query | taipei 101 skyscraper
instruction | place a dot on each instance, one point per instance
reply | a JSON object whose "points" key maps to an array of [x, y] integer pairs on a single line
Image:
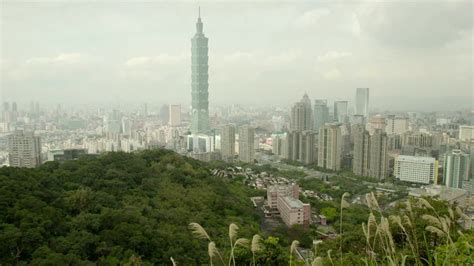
{"points": [[199, 80]]}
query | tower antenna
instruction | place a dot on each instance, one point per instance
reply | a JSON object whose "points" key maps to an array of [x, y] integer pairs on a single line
{"points": [[199, 12]]}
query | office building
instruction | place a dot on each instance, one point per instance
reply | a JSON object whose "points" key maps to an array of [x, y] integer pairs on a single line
{"points": [[456, 168], [340, 112], [301, 115], [200, 143], [362, 102], [24, 149], [228, 142], [321, 114], [422, 170], [396, 125], [66, 155], [199, 81], [175, 115], [330, 147], [246, 144]]}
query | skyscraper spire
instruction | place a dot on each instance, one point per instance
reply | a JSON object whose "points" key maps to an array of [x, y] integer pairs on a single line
{"points": [[199, 25]]}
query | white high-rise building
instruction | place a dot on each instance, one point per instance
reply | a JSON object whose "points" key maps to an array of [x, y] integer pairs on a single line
{"points": [[362, 102], [175, 115], [301, 115], [396, 125], [246, 144], [413, 169], [24, 149]]}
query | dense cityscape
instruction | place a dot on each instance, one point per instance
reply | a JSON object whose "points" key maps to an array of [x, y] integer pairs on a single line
{"points": [[288, 165]]}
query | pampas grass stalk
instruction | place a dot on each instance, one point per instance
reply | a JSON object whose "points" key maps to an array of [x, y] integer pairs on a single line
{"points": [[294, 245], [344, 204], [233, 231], [256, 246]]}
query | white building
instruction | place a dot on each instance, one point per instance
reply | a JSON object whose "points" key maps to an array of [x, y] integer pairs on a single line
{"points": [[466, 133], [200, 143], [396, 125], [416, 169]]}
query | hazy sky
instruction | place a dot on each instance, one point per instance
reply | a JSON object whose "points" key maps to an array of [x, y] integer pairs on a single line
{"points": [[411, 54]]}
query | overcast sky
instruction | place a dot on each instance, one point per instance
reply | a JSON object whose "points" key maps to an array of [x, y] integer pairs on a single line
{"points": [[411, 54]]}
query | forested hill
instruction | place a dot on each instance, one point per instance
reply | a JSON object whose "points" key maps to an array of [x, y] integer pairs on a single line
{"points": [[114, 207]]}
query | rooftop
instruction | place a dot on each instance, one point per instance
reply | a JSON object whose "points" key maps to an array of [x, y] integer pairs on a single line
{"points": [[407, 158], [293, 203]]}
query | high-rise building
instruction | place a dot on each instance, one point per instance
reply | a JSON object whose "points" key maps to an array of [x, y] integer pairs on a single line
{"points": [[24, 149], [199, 81], [228, 142], [413, 169], [113, 122], [321, 113], [307, 147], [340, 112], [376, 122], [301, 115], [396, 125], [330, 147], [165, 114], [246, 143], [362, 102], [175, 115], [466, 133], [360, 161], [370, 153], [456, 168], [378, 155]]}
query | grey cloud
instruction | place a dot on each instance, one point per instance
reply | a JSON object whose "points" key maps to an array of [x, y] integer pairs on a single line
{"points": [[417, 24]]}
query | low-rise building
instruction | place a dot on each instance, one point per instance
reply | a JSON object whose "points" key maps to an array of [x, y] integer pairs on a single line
{"points": [[293, 211]]}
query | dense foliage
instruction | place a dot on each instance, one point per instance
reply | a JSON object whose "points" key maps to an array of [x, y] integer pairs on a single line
{"points": [[116, 208]]}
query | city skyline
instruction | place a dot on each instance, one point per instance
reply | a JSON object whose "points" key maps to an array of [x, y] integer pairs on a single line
{"points": [[151, 66]]}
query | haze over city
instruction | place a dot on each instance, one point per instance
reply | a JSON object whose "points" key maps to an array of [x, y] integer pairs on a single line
{"points": [[237, 133], [259, 53]]}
